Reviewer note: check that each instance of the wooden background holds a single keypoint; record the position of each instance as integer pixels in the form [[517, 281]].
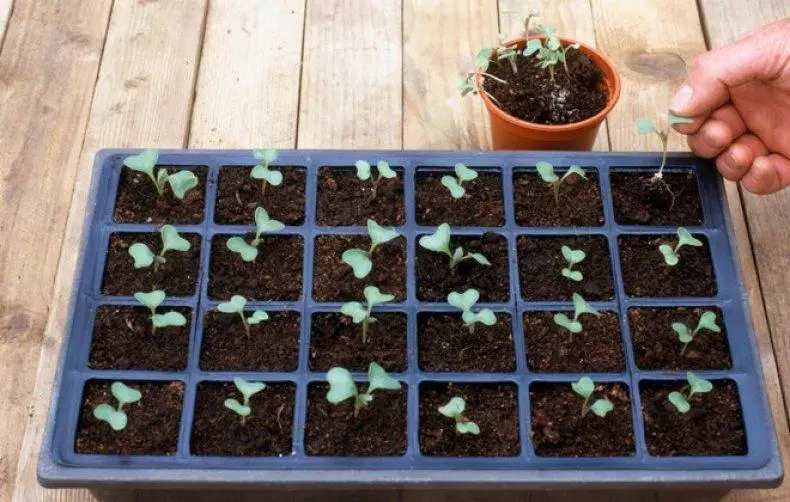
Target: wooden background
[[80, 75]]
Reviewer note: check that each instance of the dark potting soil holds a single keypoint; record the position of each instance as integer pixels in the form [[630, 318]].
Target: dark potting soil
[[266, 431], [152, 422], [493, 407], [276, 273], [640, 201], [445, 344], [559, 430], [344, 199], [540, 264], [580, 201], [272, 345], [378, 430], [336, 341], [481, 206], [656, 344], [713, 425], [238, 195], [532, 95], [177, 276], [333, 280], [138, 202], [550, 348], [122, 340], [435, 280], [645, 273]]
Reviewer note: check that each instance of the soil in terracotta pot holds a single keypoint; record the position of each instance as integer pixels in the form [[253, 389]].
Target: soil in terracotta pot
[[640, 201], [532, 95], [122, 340], [177, 276], [336, 341], [656, 344], [333, 280], [645, 273], [344, 199], [238, 195], [276, 273], [579, 201], [493, 407], [713, 425], [481, 206], [435, 280], [550, 348], [559, 430], [272, 345], [378, 430], [152, 422], [266, 431], [540, 264], [445, 344], [138, 202]]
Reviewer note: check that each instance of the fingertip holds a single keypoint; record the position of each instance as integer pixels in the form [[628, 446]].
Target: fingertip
[[681, 103], [733, 163], [761, 179], [712, 138]]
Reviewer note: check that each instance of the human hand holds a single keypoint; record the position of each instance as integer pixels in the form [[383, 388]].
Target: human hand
[[739, 98]]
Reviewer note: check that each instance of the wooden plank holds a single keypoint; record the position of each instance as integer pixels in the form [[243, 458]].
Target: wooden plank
[[143, 96], [351, 77], [6, 6], [248, 84]]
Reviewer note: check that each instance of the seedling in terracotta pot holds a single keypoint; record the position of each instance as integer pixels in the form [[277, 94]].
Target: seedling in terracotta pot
[[262, 172], [152, 300], [342, 386], [547, 174], [482, 61], [360, 260], [697, 385], [263, 224], [507, 52], [439, 242], [549, 49], [465, 301], [646, 126], [585, 388], [672, 255], [572, 256], [171, 241], [360, 314], [236, 306], [455, 409], [145, 162], [574, 326], [454, 185], [383, 168], [706, 321], [116, 417], [247, 389]]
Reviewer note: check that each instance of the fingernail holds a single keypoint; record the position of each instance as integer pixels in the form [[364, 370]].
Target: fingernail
[[681, 99]]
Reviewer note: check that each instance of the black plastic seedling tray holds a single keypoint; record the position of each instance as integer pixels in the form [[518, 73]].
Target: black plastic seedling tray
[[61, 466]]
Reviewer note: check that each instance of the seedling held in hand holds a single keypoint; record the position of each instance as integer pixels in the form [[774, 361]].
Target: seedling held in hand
[[262, 172], [364, 173], [236, 305], [152, 300], [465, 301], [672, 255], [145, 162], [572, 256], [359, 259], [247, 389], [171, 241], [360, 314], [547, 174], [342, 386], [585, 388], [454, 185], [646, 126], [116, 417], [706, 321], [455, 409], [574, 326], [263, 224], [697, 385], [439, 242]]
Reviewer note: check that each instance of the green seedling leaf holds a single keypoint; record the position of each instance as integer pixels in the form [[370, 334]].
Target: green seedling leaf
[[380, 235], [359, 261], [563, 320], [151, 300], [708, 321], [573, 256], [686, 239], [673, 119], [456, 190], [124, 394], [467, 428], [116, 419], [261, 172], [355, 311], [479, 258], [533, 45], [142, 255], [181, 182], [237, 407], [684, 334], [577, 170], [143, 162], [454, 408], [582, 307], [439, 241], [168, 319], [374, 296], [464, 173], [485, 316], [384, 169], [645, 126], [341, 385], [363, 169], [698, 385], [573, 275], [263, 224], [161, 179], [670, 257], [483, 59], [248, 389], [379, 379], [257, 317], [679, 401], [268, 155], [584, 387], [546, 172], [464, 301], [234, 306], [601, 407], [172, 241], [238, 245]]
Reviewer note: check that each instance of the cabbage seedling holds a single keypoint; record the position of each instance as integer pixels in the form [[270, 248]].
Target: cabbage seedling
[[364, 173], [247, 389], [262, 172], [342, 386], [706, 321], [585, 388], [152, 300], [465, 301], [646, 126], [360, 314], [547, 174], [236, 306], [549, 50], [145, 162], [572, 256], [116, 417], [360, 260], [579, 307], [697, 385], [263, 224], [439, 242], [455, 185], [455, 409], [672, 255], [508, 52], [171, 241]]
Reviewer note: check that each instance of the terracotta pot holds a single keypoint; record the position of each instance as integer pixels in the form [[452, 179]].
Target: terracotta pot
[[510, 133]]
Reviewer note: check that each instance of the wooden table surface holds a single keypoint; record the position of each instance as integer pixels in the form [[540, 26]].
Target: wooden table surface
[[79, 75]]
